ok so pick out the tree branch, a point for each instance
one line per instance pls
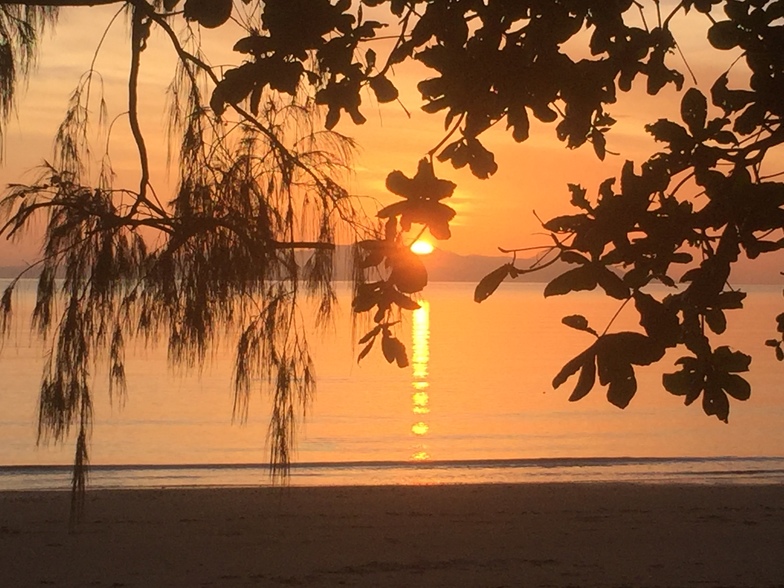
(137, 41)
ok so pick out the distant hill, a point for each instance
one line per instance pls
(13, 271)
(443, 266)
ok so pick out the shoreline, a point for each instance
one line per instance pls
(534, 534)
(661, 470)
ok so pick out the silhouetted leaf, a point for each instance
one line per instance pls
(683, 383)
(694, 110)
(233, 88)
(571, 367)
(622, 387)
(384, 90)
(408, 272)
(372, 333)
(404, 301)
(367, 297)
(611, 283)
(208, 13)
(423, 186)
(586, 380)
(724, 35)
(629, 347)
(579, 322)
(669, 132)
(659, 321)
(731, 361)
(599, 143)
(715, 402)
(370, 59)
(394, 351)
(576, 321)
(729, 100)
(517, 120)
(566, 223)
(716, 320)
(578, 196)
(366, 350)
(480, 160)
(735, 385)
(575, 280)
(490, 282)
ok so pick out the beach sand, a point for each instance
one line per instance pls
(553, 535)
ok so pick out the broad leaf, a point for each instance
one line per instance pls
(571, 367)
(579, 322)
(731, 361)
(408, 272)
(384, 90)
(490, 282)
(586, 380)
(735, 385)
(575, 280)
(724, 35)
(394, 351)
(716, 320)
(694, 111)
(623, 386)
(424, 185)
(612, 284)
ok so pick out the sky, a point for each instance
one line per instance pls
(499, 212)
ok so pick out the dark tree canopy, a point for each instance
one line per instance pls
(255, 193)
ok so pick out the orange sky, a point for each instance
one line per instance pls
(491, 213)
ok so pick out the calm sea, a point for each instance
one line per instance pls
(475, 405)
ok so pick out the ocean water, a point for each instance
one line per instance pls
(475, 405)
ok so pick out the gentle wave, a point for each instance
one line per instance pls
(687, 470)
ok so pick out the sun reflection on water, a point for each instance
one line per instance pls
(420, 335)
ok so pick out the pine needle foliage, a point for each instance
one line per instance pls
(247, 237)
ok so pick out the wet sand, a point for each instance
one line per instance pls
(549, 535)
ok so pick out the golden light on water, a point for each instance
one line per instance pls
(420, 428)
(420, 402)
(421, 247)
(420, 357)
(420, 349)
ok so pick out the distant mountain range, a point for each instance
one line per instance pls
(444, 266)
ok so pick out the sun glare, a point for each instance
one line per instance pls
(422, 247)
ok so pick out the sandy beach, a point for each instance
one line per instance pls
(553, 535)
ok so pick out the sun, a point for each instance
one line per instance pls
(422, 247)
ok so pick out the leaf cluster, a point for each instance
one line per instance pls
(683, 220)
(399, 272)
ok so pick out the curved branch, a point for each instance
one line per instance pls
(137, 41)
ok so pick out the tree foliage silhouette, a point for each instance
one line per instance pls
(226, 252)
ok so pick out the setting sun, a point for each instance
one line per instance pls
(422, 247)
